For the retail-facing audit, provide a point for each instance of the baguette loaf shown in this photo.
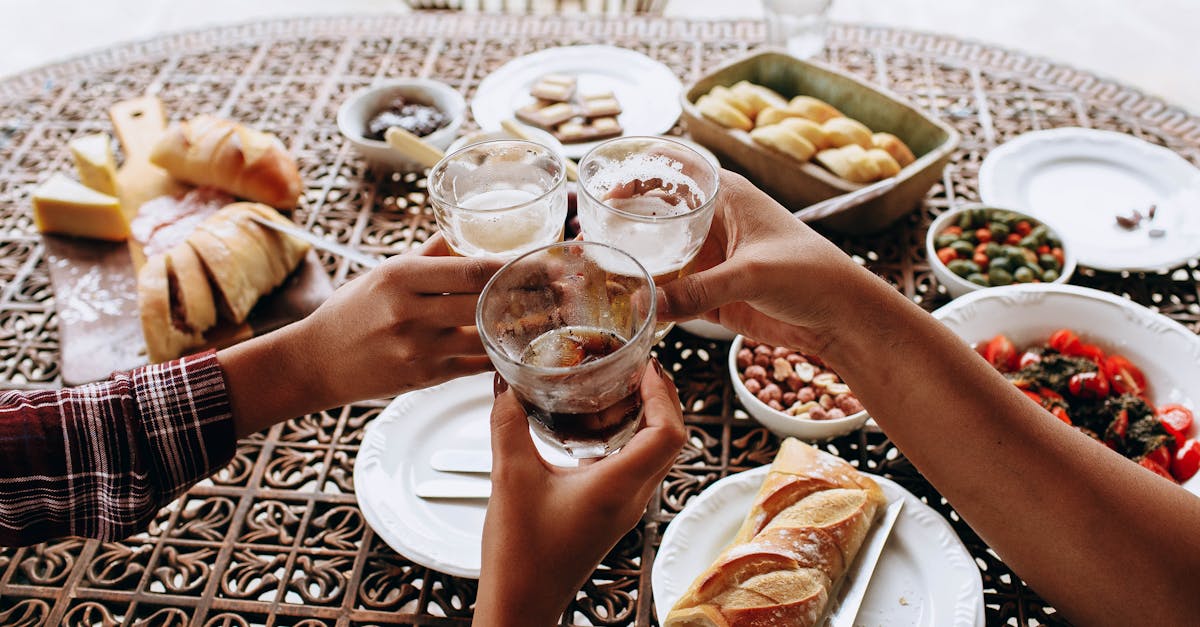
(231, 157)
(807, 523)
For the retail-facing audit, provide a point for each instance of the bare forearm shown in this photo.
(1105, 541)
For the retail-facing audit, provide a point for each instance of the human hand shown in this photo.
(406, 324)
(548, 527)
(765, 274)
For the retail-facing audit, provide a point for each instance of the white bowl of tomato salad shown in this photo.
(976, 247)
(1121, 373)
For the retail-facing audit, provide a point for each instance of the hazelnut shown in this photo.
(749, 343)
(762, 360)
(745, 357)
(805, 371)
(770, 392)
(763, 349)
(789, 398)
(836, 414)
(757, 372)
(780, 352)
(753, 386)
(826, 401)
(806, 395)
(775, 405)
(818, 413)
(782, 369)
(848, 403)
(794, 383)
(796, 358)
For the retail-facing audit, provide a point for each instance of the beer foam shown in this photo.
(644, 167)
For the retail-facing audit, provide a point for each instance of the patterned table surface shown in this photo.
(276, 538)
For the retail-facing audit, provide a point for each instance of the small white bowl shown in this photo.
(707, 330)
(782, 424)
(358, 109)
(536, 135)
(956, 285)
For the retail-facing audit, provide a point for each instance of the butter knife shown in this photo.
(454, 489)
(863, 568)
(460, 460)
(357, 256)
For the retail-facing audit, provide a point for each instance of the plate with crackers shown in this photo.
(582, 95)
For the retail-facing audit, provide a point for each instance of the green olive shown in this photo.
(999, 276)
(963, 248)
(978, 279)
(1002, 263)
(1000, 230)
(1050, 275)
(1024, 275)
(963, 267)
(944, 240)
(1050, 262)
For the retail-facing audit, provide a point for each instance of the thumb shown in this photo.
(510, 430)
(694, 294)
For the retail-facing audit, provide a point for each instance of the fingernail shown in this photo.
(657, 366)
(499, 385)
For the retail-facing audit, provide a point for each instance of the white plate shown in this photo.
(647, 90)
(1166, 351)
(445, 535)
(1081, 179)
(925, 575)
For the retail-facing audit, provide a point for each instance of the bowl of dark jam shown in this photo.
(429, 109)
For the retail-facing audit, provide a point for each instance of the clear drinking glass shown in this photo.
(797, 25)
(569, 327)
(499, 199)
(651, 197)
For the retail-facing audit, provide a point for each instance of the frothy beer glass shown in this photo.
(569, 327)
(499, 199)
(651, 197)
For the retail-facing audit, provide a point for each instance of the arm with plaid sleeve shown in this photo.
(99, 460)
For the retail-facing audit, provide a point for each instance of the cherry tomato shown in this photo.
(1023, 228)
(1092, 352)
(1001, 353)
(981, 260)
(980, 247)
(1119, 426)
(1033, 396)
(954, 230)
(1058, 254)
(983, 235)
(1161, 455)
(1028, 358)
(1155, 468)
(1125, 377)
(946, 255)
(1186, 461)
(1088, 385)
(1052, 396)
(1177, 420)
(1061, 413)
(1013, 239)
(1065, 341)
(1043, 250)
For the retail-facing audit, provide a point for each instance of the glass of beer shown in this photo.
(651, 197)
(569, 327)
(499, 199)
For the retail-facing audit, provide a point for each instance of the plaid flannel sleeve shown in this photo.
(99, 460)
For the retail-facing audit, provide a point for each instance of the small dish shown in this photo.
(781, 423)
(798, 185)
(536, 135)
(957, 285)
(707, 330)
(1083, 178)
(647, 90)
(356, 111)
(925, 576)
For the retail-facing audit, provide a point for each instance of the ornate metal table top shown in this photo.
(276, 537)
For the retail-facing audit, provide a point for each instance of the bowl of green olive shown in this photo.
(976, 247)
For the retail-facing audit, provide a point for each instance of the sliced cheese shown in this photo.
(63, 206)
(95, 162)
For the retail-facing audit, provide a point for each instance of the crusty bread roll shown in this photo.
(224, 267)
(735, 100)
(894, 147)
(807, 523)
(856, 165)
(785, 140)
(887, 165)
(758, 96)
(230, 157)
(723, 113)
(808, 130)
(814, 109)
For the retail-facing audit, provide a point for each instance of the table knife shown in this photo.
(459, 460)
(454, 489)
(359, 257)
(861, 571)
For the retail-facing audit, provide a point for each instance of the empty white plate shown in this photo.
(647, 90)
(1082, 179)
(443, 534)
(925, 576)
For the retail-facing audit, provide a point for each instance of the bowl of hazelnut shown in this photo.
(792, 394)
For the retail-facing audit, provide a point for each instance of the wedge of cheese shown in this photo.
(63, 206)
(95, 162)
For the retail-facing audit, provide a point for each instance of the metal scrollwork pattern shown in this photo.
(276, 538)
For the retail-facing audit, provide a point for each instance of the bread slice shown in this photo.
(293, 249)
(166, 336)
(237, 295)
(191, 293)
(251, 256)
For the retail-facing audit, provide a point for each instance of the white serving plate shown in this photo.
(1166, 351)
(647, 90)
(925, 576)
(445, 535)
(1080, 179)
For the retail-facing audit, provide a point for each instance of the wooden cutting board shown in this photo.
(139, 123)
